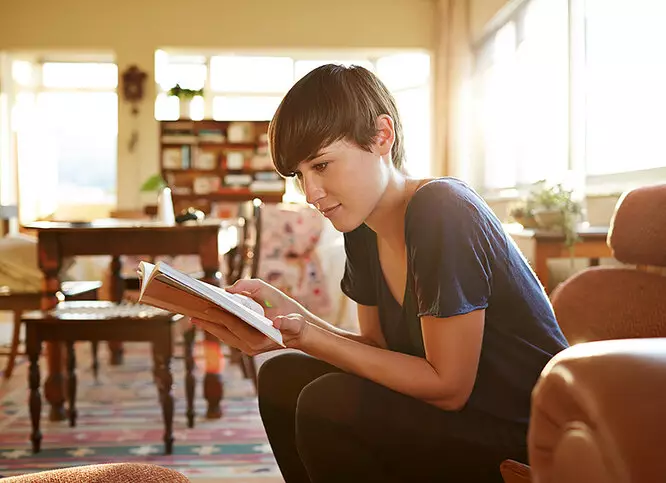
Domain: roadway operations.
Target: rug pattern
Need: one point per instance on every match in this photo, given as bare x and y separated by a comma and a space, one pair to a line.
120, 420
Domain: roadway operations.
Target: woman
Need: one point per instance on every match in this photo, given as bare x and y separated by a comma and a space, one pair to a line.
454, 326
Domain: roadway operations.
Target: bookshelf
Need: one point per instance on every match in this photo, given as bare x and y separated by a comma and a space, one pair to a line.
212, 165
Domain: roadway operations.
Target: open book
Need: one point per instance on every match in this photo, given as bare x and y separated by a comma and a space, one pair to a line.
164, 287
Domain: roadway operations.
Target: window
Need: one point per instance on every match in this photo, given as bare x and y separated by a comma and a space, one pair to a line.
522, 97
250, 87
625, 75
66, 121
572, 89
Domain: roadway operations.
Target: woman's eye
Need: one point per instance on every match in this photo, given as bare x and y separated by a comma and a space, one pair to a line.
320, 167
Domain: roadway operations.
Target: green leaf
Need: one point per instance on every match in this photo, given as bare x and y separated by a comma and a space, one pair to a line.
154, 183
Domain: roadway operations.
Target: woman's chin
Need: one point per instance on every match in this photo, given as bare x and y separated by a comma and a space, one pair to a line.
345, 225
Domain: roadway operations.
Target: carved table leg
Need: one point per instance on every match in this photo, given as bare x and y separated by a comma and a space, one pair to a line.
33, 347
71, 382
162, 352
50, 262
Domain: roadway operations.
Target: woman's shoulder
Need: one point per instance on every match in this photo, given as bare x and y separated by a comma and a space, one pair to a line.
446, 195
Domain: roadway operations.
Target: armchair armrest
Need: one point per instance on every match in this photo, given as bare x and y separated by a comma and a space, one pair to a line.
598, 414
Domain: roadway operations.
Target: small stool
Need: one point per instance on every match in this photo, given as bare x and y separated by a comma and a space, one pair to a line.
107, 321
18, 302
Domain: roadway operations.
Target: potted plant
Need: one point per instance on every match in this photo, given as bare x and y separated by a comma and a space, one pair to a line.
551, 208
184, 96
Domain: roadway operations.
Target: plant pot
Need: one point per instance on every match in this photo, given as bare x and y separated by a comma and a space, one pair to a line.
526, 221
549, 219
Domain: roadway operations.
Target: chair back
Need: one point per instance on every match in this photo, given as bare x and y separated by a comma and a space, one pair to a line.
638, 227
243, 260
602, 303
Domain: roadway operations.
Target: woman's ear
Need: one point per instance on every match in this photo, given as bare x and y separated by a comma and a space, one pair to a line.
385, 135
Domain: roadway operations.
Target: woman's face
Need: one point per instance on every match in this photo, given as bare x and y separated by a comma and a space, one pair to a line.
345, 182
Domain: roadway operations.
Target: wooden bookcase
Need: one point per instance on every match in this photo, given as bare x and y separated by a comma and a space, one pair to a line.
212, 165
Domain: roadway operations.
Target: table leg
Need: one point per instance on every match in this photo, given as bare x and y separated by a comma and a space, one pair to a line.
33, 348
213, 389
189, 376
50, 261
71, 382
94, 347
162, 352
54, 390
116, 289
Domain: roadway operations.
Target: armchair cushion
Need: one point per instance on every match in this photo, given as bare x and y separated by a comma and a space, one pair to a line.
597, 414
103, 473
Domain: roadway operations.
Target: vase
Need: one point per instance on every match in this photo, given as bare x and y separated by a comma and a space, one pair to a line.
184, 108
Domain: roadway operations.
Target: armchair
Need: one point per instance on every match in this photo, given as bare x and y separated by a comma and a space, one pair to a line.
593, 417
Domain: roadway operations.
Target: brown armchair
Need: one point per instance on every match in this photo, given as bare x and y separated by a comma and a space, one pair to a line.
593, 412
107, 473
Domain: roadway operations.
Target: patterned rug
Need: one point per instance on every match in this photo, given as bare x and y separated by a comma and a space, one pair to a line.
120, 420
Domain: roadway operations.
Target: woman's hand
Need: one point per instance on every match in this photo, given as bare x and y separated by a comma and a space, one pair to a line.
236, 333
274, 302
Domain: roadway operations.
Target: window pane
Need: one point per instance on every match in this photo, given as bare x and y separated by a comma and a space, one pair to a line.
414, 108
166, 108
523, 98
188, 76
83, 128
239, 108
23, 73
498, 113
80, 75
542, 94
625, 78
404, 70
251, 74
302, 67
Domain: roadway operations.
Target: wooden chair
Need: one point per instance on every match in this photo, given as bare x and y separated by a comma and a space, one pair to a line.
18, 302
243, 262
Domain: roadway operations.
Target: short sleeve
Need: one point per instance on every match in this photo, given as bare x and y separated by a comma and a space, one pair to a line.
358, 281
448, 237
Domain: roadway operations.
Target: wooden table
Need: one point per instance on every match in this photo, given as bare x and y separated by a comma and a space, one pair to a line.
116, 237
548, 245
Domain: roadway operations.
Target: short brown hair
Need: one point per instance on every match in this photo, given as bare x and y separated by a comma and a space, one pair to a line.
331, 103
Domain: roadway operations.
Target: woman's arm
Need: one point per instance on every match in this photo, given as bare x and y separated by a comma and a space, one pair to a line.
368, 320
446, 376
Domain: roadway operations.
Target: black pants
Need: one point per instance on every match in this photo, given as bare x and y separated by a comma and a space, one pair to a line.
325, 425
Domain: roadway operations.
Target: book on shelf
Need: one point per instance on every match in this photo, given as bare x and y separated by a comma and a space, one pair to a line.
273, 186
164, 287
237, 179
205, 160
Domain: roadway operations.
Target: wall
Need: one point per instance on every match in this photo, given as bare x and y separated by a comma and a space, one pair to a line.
133, 30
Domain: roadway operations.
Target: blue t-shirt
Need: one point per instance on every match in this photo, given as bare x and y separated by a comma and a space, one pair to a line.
459, 259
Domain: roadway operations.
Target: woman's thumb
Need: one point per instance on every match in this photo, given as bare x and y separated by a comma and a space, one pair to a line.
240, 286
289, 324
